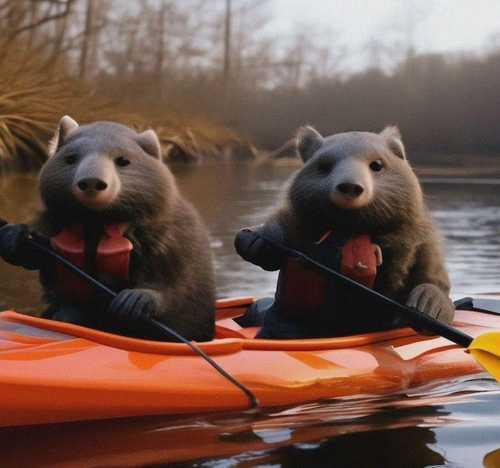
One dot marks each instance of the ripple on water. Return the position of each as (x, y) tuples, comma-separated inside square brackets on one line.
[(441, 424), (472, 242)]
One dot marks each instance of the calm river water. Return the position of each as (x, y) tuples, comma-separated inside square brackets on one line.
[(454, 424)]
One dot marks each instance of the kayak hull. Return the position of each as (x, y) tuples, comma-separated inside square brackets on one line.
[(56, 372)]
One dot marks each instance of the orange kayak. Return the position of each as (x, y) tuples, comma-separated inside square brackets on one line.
[(57, 372)]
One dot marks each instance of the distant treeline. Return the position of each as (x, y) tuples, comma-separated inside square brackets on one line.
[(211, 76), (440, 104)]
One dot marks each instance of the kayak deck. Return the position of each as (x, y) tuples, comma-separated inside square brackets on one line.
[(53, 372)]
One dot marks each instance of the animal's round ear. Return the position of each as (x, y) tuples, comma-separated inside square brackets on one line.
[(150, 143), (308, 141), (65, 128), (392, 136)]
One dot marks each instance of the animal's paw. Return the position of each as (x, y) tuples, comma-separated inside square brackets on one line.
[(14, 246), (135, 304), (257, 250), (430, 300)]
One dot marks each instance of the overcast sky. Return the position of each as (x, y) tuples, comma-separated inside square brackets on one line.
[(439, 25)]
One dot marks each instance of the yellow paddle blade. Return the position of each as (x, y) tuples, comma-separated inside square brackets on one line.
[(486, 351), (492, 459)]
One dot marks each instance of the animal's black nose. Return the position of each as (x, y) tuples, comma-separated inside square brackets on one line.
[(92, 184), (351, 190)]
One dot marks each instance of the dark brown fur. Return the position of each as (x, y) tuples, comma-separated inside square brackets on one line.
[(395, 215), (171, 260)]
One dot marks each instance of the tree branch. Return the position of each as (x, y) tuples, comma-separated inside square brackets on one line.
[(68, 4)]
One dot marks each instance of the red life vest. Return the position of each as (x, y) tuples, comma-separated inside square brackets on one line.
[(303, 288), (112, 259), (360, 258)]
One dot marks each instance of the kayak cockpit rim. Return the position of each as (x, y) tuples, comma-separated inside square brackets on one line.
[(61, 331), (230, 337)]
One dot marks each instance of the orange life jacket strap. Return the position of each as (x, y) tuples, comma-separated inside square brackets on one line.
[(112, 259), (360, 259), (302, 289)]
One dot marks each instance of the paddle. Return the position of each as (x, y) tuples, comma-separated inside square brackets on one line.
[(484, 348), (110, 294)]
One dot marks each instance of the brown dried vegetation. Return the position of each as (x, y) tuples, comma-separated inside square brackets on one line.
[(50, 66)]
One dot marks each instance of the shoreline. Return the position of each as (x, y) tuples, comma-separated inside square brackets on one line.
[(458, 172), (484, 171)]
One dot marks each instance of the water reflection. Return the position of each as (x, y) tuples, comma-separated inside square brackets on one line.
[(411, 447), (430, 427), (469, 216)]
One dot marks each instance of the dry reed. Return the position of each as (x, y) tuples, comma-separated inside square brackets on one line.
[(32, 101)]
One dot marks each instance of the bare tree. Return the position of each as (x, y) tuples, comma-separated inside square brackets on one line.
[(19, 11), (227, 44), (86, 38)]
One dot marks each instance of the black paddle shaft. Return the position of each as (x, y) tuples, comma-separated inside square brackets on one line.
[(33, 242), (38, 245), (413, 315), (70, 266)]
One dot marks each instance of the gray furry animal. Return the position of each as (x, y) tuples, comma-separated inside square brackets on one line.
[(352, 183), (105, 174)]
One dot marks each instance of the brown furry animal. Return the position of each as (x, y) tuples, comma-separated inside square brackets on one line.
[(106, 174), (351, 183)]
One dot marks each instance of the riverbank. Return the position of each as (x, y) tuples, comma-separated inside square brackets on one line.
[(32, 102), (458, 172)]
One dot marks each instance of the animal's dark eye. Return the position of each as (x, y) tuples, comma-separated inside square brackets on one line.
[(122, 161), (70, 159), (376, 165), (325, 166)]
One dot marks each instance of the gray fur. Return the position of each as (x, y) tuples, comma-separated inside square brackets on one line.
[(171, 257), (66, 126), (150, 143), (308, 141), (392, 136), (393, 213)]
